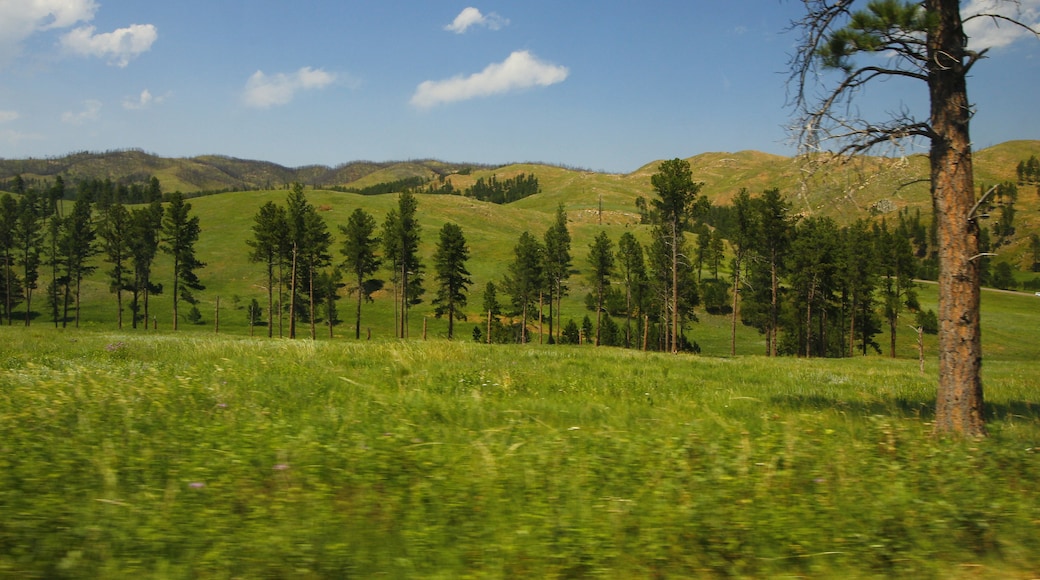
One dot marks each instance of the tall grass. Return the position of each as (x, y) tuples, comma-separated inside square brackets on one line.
[(206, 457)]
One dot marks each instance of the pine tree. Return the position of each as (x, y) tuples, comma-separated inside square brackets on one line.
[(269, 243), (28, 234), (633, 272), (359, 257), (8, 224), (115, 233), (601, 262), (144, 246), (451, 275), (557, 265), (401, 232), (676, 195), (526, 277), (180, 231), (77, 247), (310, 241)]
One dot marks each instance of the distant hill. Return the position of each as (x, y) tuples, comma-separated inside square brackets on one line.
[(858, 187), (213, 172)]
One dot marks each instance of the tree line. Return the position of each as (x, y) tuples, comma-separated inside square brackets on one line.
[(42, 247), (810, 287)]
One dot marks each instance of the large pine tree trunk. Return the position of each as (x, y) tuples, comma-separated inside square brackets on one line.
[(959, 403)]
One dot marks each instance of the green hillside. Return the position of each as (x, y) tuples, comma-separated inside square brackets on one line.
[(592, 200)]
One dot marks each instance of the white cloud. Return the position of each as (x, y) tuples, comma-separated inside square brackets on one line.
[(20, 19), (118, 46), (470, 16), (986, 32), (263, 91), (142, 101), (91, 111), (520, 71), (8, 116)]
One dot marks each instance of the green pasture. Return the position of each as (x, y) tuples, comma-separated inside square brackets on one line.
[(200, 456)]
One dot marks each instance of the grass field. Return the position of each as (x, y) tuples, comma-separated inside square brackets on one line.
[(143, 453), (201, 456)]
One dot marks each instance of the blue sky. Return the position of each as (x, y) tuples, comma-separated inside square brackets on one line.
[(607, 85)]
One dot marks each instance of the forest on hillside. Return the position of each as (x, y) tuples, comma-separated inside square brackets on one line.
[(810, 286)]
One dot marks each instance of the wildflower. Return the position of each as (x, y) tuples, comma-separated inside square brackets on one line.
[(196, 485)]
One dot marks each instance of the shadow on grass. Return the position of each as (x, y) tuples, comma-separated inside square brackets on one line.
[(902, 407)]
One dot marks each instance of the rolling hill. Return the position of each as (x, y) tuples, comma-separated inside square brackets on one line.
[(860, 187)]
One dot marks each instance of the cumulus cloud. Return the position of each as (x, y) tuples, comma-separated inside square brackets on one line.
[(8, 116), (91, 111), (470, 16), (118, 46), (263, 91), (20, 20), (520, 71), (142, 101), (986, 32)]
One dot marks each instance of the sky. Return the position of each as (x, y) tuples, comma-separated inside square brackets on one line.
[(606, 85)]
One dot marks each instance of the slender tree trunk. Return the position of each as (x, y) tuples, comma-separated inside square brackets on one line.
[(176, 288), (808, 319), (357, 315), (959, 404), (310, 304), (65, 301), (852, 326), (599, 311), (628, 312), (523, 325), (119, 306), (270, 298), (736, 304), (675, 288), (774, 284), (404, 299), (281, 297), (540, 316), (292, 297), (79, 280)]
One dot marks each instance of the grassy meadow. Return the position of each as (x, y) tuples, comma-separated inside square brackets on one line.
[(201, 456)]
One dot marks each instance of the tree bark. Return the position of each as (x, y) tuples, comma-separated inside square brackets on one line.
[(959, 401)]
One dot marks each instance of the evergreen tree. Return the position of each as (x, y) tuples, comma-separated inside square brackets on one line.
[(897, 283), (401, 232), (310, 241), (813, 272), (180, 231), (633, 272), (601, 262), (360, 260), (526, 277), (328, 284), (676, 195), (115, 233), (742, 241), (8, 224), (451, 275), (774, 236), (858, 271), (490, 303), (557, 266), (77, 247), (269, 247), (28, 234), (144, 246)]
